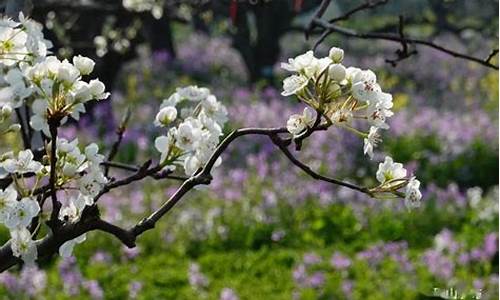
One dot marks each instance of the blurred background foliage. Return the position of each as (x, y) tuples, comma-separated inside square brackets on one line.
[(264, 230)]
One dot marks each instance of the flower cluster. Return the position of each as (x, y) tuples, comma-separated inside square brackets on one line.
[(54, 90), (28, 74), (341, 95), (21, 45), (195, 120), (60, 91)]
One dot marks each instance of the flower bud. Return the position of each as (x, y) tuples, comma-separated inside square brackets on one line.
[(166, 115), (334, 90), (336, 54), (96, 87), (337, 72), (84, 64), (69, 170)]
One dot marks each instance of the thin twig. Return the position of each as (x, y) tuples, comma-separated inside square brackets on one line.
[(318, 14), (24, 132), (119, 133), (397, 39), (370, 4)]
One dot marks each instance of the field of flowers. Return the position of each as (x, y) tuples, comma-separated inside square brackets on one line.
[(265, 230)]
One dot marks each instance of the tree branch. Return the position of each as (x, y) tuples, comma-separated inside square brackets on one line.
[(54, 222), (329, 27), (119, 133), (24, 131), (90, 219)]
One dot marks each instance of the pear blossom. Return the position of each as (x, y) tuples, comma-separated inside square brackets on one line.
[(12, 44), (296, 124), (337, 72), (97, 88), (66, 249), (23, 246), (188, 134), (364, 84), (336, 54), (8, 201), (389, 170), (163, 144), (379, 110), (22, 213), (193, 93), (294, 84), (23, 164), (84, 64), (39, 119), (300, 63), (72, 211), (92, 154), (192, 141), (371, 141), (165, 116), (214, 109), (413, 194)]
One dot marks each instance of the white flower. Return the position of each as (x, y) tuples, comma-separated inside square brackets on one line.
[(97, 89), (22, 213), (336, 54), (364, 84), (7, 203), (296, 124), (389, 170), (214, 109), (12, 45), (23, 164), (67, 72), (84, 64), (193, 93), (173, 100), (300, 63), (317, 67), (39, 119), (23, 246), (92, 154), (188, 134), (294, 84), (371, 141), (379, 109), (337, 72), (66, 249), (163, 145), (92, 182), (413, 194), (165, 116), (73, 210), (191, 164)]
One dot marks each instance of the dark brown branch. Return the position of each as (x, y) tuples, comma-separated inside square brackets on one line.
[(125, 236), (370, 4), (492, 54), (396, 38), (90, 219), (281, 144), (54, 222), (133, 168), (119, 137), (317, 15), (24, 131), (404, 52)]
